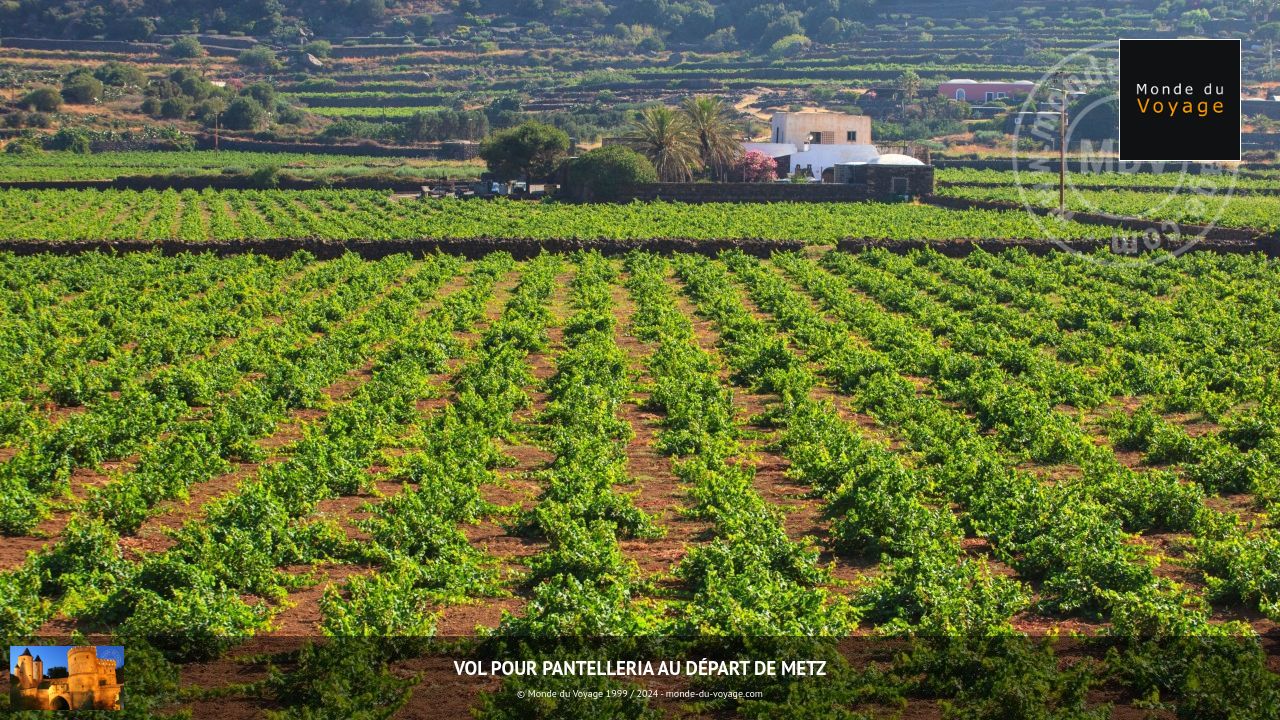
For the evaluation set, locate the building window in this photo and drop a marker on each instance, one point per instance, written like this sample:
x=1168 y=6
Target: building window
x=900 y=186
x=777 y=135
x=990 y=96
x=960 y=93
x=851 y=135
x=815 y=138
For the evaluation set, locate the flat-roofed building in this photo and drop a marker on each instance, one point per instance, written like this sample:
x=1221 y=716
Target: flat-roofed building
x=820 y=128
x=979 y=91
x=816 y=141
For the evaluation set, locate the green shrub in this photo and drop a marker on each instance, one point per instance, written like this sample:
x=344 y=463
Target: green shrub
x=244 y=113
x=263 y=92
x=382 y=605
x=261 y=58
x=345 y=679
x=120 y=74
x=73 y=140
x=175 y=108
x=788 y=46
x=23 y=146
x=265 y=177
x=82 y=90
x=186 y=47
x=605 y=173
x=528 y=151
x=43 y=99
x=319 y=48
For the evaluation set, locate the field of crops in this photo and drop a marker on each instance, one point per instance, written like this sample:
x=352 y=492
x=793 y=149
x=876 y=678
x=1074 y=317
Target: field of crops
x=60 y=215
x=1187 y=205
x=109 y=165
x=202 y=454
x=1172 y=177
x=366 y=113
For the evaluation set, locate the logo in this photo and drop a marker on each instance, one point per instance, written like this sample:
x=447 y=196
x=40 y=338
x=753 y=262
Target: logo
x=1180 y=100
x=1143 y=202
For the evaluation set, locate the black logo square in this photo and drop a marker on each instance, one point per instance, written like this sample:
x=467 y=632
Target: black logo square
x=1179 y=100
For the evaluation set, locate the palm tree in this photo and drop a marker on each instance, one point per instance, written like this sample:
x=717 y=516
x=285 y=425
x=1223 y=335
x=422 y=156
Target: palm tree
x=908 y=86
x=664 y=136
x=714 y=132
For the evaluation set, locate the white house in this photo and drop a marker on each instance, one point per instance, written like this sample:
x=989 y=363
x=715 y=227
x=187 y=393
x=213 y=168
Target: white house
x=816 y=141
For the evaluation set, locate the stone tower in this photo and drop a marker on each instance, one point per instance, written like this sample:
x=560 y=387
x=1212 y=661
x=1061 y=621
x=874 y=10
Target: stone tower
x=82 y=670
x=26 y=671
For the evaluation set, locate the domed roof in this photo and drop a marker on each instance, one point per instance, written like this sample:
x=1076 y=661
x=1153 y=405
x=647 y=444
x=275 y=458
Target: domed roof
x=895 y=159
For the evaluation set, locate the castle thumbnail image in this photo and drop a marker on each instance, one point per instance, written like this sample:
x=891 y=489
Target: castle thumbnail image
x=76 y=677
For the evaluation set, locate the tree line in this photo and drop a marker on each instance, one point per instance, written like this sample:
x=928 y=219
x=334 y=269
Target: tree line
x=698 y=140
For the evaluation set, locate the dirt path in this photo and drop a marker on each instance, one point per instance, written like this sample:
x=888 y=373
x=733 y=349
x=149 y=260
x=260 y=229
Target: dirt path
x=744 y=106
x=974 y=547
x=518 y=489
x=152 y=535
x=299 y=623
x=13 y=551
x=303 y=618
x=659 y=491
x=803 y=512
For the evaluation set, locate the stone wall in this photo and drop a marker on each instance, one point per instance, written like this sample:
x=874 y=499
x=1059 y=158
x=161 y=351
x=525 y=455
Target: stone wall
x=120 y=46
x=1268 y=108
x=878 y=181
x=452 y=150
x=1074 y=165
x=520 y=248
x=962 y=247
x=225 y=182
x=58 y=44
x=1260 y=141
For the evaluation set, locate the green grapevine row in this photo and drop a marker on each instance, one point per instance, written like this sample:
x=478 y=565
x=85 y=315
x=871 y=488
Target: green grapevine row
x=92 y=215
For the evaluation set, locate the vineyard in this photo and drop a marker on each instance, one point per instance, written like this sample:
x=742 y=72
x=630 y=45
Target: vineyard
x=313 y=437
x=204 y=216
x=297 y=485
x=1172 y=177
x=62 y=166
x=1210 y=203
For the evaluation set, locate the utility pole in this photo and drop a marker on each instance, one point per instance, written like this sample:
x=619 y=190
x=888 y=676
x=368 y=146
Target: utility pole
x=1062 y=157
x=1062 y=144
x=217 y=116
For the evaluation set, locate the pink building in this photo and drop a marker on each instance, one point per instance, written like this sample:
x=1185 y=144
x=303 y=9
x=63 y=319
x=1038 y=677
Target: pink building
x=974 y=91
